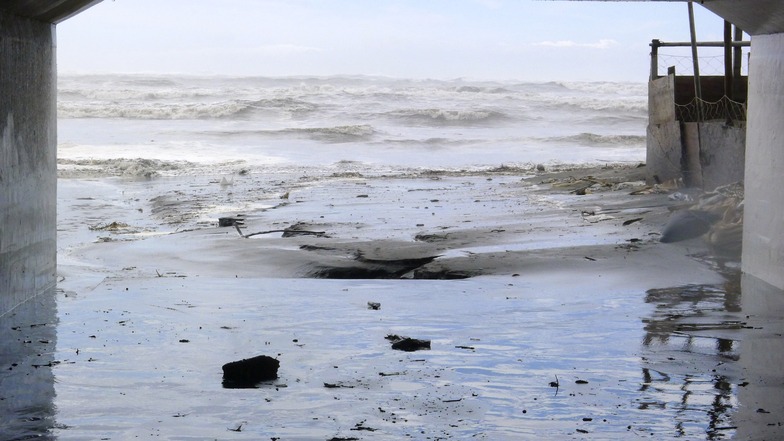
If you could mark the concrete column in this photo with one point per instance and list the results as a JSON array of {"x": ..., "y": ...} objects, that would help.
[
  {"x": 28, "y": 169},
  {"x": 763, "y": 229}
]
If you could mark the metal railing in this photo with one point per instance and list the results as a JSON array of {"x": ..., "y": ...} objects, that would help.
[{"x": 737, "y": 47}]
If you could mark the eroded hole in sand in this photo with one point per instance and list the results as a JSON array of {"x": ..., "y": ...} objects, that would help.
[{"x": 393, "y": 271}]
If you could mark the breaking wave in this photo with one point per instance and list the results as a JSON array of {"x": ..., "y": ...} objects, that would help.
[
  {"x": 595, "y": 139},
  {"x": 126, "y": 167},
  {"x": 180, "y": 111},
  {"x": 333, "y": 134},
  {"x": 448, "y": 117}
]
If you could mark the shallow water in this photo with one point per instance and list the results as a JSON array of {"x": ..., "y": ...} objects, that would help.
[
  {"x": 137, "y": 353},
  {"x": 150, "y": 351}
]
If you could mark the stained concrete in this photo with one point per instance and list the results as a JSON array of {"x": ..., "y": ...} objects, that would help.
[
  {"x": 706, "y": 154},
  {"x": 28, "y": 169},
  {"x": 28, "y": 145},
  {"x": 763, "y": 241},
  {"x": 49, "y": 11}
]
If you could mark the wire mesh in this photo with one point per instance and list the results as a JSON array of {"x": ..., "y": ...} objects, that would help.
[
  {"x": 698, "y": 110},
  {"x": 711, "y": 63}
]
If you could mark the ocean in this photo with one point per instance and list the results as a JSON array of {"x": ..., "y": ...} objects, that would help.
[{"x": 148, "y": 125}]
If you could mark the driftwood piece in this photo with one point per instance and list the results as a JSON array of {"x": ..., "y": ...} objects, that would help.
[{"x": 287, "y": 232}]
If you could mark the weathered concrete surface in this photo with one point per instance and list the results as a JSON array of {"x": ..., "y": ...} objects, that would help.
[
  {"x": 722, "y": 154},
  {"x": 763, "y": 232},
  {"x": 28, "y": 145},
  {"x": 28, "y": 169},
  {"x": 714, "y": 154},
  {"x": 49, "y": 11},
  {"x": 663, "y": 152},
  {"x": 756, "y": 17}
]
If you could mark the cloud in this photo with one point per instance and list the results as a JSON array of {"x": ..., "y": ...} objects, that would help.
[{"x": 601, "y": 44}]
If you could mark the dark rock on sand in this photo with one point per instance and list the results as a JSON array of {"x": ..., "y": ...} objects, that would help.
[
  {"x": 408, "y": 344},
  {"x": 230, "y": 221},
  {"x": 249, "y": 372}
]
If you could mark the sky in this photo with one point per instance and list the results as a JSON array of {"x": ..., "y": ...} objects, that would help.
[{"x": 440, "y": 39}]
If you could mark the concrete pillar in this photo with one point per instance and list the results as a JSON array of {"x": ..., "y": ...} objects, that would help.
[
  {"x": 763, "y": 241},
  {"x": 28, "y": 169}
]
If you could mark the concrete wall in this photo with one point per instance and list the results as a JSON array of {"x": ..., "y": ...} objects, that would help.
[
  {"x": 763, "y": 238},
  {"x": 722, "y": 154},
  {"x": 705, "y": 155},
  {"x": 663, "y": 141},
  {"x": 714, "y": 154},
  {"x": 28, "y": 173}
]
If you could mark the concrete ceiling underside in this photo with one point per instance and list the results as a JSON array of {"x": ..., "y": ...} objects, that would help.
[
  {"x": 753, "y": 16},
  {"x": 50, "y": 11},
  {"x": 756, "y": 17}
]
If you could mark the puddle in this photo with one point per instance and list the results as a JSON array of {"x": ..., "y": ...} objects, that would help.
[{"x": 142, "y": 358}]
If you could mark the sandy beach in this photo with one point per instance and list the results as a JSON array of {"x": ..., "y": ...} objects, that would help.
[{"x": 552, "y": 309}]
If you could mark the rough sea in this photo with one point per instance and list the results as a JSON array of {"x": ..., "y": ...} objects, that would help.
[{"x": 147, "y": 125}]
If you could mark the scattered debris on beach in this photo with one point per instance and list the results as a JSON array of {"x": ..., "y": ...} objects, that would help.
[{"x": 717, "y": 216}]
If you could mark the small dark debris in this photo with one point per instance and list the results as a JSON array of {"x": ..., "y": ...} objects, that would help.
[
  {"x": 230, "y": 221},
  {"x": 470, "y": 348},
  {"x": 374, "y": 305},
  {"x": 362, "y": 196},
  {"x": 340, "y": 438},
  {"x": 581, "y": 382},
  {"x": 590, "y": 258},
  {"x": 430, "y": 237},
  {"x": 582, "y": 431},
  {"x": 631, "y": 221},
  {"x": 761, "y": 410},
  {"x": 365, "y": 428},
  {"x": 337, "y": 386}
]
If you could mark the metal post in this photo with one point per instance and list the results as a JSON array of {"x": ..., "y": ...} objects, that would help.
[
  {"x": 655, "y": 59},
  {"x": 728, "y": 74},
  {"x": 696, "y": 61},
  {"x": 737, "y": 61}
]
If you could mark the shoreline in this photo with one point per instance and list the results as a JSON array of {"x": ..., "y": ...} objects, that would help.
[{"x": 515, "y": 278}]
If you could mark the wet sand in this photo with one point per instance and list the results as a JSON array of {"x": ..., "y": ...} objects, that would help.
[{"x": 553, "y": 311}]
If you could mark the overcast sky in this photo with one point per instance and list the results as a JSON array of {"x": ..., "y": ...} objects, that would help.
[{"x": 444, "y": 39}]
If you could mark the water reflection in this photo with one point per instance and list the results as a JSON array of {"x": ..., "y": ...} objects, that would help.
[
  {"x": 27, "y": 343},
  {"x": 691, "y": 350}
]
